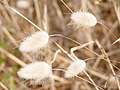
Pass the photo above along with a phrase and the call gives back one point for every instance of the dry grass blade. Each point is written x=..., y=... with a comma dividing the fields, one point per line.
x=116, y=41
x=26, y=19
x=91, y=80
x=3, y=86
x=109, y=62
x=38, y=13
x=22, y=16
x=16, y=25
x=15, y=59
x=116, y=5
x=10, y=36
x=67, y=6
x=45, y=18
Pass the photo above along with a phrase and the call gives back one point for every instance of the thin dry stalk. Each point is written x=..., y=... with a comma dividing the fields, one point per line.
x=26, y=19
x=5, y=13
x=116, y=4
x=12, y=16
x=9, y=36
x=102, y=55
x=79, y=78
x=15, y=59
x=72, y=58
x=109, y=62
x=83, y=5
x=52, y=84
x=79, y=47
x=3, y=86
x=37, y=10
x=67, y=6
x=97, y=74
x=91, y=79
x=15, y=42
x=55, y=56
x=60, y=15
x=22, y=16
x=45, y=18
x=118, y=40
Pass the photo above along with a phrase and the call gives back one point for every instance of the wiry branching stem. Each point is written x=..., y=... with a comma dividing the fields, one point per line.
x=79, y=78
x=91, y=79
x=109, y=62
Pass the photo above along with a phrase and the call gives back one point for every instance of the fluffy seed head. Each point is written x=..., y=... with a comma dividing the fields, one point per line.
x=36, y=71
x=35, y=42
x=84, y=19
x=23, y=4
x=75, y=68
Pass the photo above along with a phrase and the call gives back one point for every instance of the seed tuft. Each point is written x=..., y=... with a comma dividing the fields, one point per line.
x=75, y=68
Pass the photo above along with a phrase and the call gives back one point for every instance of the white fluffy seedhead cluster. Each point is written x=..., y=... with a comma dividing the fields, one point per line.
x=37, y=72
x=84, y=19
x=35, y=42
x=75, y=68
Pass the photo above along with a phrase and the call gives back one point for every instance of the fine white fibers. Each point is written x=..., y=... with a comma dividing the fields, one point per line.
x=35, y=42
x=23, y=4
x=36, y=71
x=75, y=68
x=85, y=19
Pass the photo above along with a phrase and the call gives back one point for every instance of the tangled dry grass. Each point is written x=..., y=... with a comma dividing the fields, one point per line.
x=53, y=16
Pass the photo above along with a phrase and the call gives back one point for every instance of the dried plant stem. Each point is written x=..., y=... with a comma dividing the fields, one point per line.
x=108, y=30
x=67, y=6
x=52, y=84
x=3, y=86
x=45, y=18
x=26, y=19
x=5, y=13
x=72, y=58
x=109, y=62
x=116, y=5
x=38, y=13
x=102, y=55
x=16, y=80
x=15, y=59
x=79, y=78
x=91, y=79
x=59, y=35
x=55, y=56
x=15, y=42
x=12, y=16
x=83, y=5
x=62, y=80
x=22, y=16
x=116, y=41
x=10, y=36
x=97, y=74
x=79, y=47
